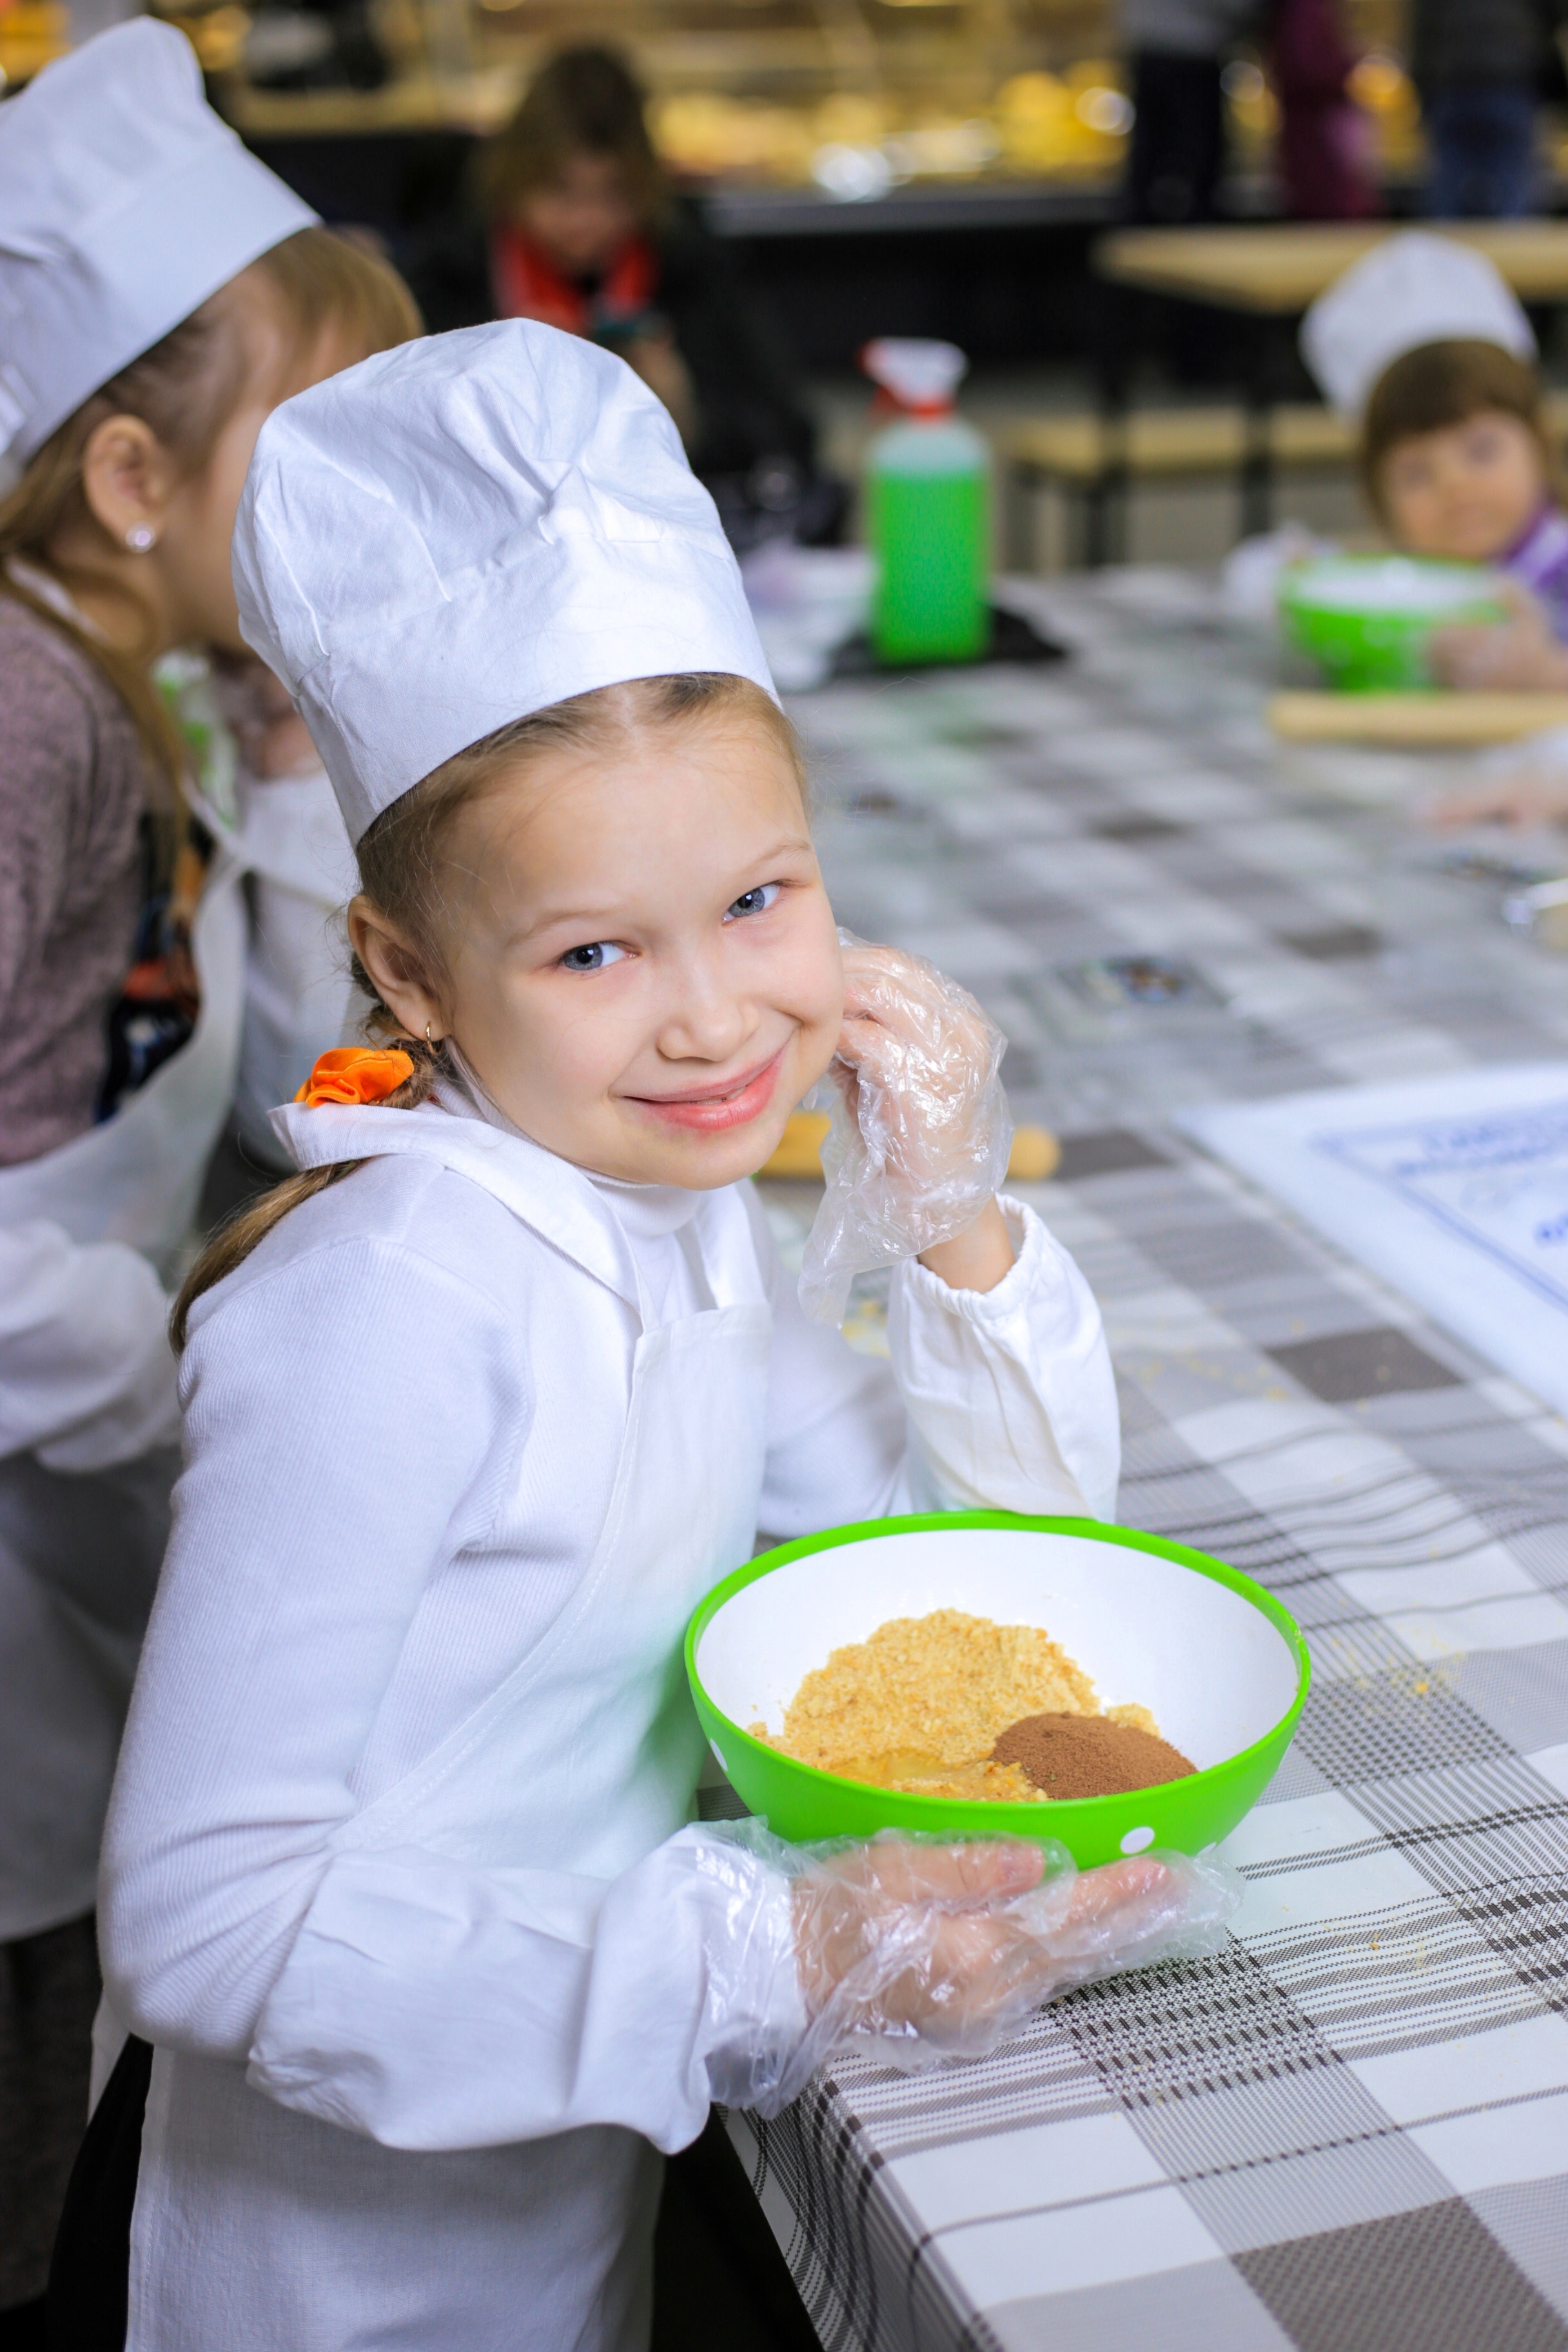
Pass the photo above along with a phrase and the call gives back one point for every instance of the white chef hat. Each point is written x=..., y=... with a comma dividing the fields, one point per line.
x=1410, y=290
x=466, y=529
x=124, y=204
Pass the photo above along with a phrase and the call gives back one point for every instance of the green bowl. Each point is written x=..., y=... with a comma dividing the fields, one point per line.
x=1219, y=1662
x=1366, y=619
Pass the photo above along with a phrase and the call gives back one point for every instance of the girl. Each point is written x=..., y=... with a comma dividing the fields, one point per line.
x=160, y=292
x=583, y=232
x=1424, y=342
x=574, y=192
x=481, y=1403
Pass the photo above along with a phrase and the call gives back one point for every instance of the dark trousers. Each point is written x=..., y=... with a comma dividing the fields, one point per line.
x=48, y=1991
x=1482, y=145
x=718, y=2277
x=1177, y=151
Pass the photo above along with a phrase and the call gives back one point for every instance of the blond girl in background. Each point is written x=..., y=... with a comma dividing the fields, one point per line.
x=159, y=292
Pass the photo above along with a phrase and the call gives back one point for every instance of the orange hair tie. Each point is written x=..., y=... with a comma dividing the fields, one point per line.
x=355, y=1074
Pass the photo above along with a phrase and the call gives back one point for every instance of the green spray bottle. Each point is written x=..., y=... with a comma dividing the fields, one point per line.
x=926, y=495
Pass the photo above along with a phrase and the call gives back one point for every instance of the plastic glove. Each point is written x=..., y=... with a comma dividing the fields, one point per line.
x=920, y=1128
x=1520, y=655
x=915, y=1951
x=1250, y=574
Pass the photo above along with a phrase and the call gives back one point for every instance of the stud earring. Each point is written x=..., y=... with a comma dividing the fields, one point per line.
x=141, y=537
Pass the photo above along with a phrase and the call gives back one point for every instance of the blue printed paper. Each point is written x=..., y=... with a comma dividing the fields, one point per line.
x=1455, y=1190
x=1498, y=1181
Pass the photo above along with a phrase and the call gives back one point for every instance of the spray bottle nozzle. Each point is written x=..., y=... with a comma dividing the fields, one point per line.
x=920, y=377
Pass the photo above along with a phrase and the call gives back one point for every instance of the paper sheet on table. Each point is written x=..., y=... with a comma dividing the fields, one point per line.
x=1452, y=1189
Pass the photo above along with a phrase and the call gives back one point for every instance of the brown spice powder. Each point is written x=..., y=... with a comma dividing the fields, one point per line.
x=1068, y=1756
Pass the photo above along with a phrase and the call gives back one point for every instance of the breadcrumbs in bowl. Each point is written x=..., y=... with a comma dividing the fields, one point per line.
x=920, y=1706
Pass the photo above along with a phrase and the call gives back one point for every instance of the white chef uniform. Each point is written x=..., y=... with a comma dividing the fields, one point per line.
x=124, y=204
x=469, y=1436
x=396, y=1878
x=300, y=873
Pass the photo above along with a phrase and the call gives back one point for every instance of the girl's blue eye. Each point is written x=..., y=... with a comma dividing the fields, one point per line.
x=592, y=959
x=755, y=902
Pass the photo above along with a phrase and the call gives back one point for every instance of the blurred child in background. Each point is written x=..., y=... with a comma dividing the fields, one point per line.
x=160, y=292
x=1424, y=344
x=585, y=232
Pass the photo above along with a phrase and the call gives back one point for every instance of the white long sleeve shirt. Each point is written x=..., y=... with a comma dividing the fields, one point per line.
x=402, y=1415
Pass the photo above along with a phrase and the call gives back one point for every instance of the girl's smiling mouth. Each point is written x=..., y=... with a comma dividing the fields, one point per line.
x=710, y=1110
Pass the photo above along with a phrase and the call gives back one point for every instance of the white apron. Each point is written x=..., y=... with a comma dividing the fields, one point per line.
x=70, y=1622
x=265, y=2230
x=300, y=999
x=299, y=874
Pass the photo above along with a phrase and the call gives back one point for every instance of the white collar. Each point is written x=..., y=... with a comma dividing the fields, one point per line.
x=559, y=1201
x=645, y=1212
x=648, y=1211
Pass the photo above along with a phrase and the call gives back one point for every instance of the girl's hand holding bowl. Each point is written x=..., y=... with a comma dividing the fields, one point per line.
x=919, y=1952
x=921, y=1132
x=1518, y=656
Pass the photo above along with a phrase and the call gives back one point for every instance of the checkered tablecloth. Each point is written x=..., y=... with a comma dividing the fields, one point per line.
x=1349, y=2133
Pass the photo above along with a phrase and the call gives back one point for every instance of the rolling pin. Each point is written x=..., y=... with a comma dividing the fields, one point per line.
x=1434, y=721
x=1033, y=1155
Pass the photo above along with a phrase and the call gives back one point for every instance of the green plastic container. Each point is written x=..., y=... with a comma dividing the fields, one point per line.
x=1366, y=619
x=1220, y=1663
x=928, y=532
x=927, y=510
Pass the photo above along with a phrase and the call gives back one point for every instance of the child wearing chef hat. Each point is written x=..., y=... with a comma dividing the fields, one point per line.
x=401, y=1879
x=1423, y=345
x=159, y=290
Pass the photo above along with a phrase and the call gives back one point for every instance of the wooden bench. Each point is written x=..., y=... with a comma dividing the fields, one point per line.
x=1094, y=458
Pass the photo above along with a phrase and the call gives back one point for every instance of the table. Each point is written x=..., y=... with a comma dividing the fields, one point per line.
x=1349, y=2132
x=1318, y=715
x=1277, y=272
x=1270, y=274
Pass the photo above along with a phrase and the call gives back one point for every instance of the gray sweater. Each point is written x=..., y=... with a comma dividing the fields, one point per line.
x=73, y=789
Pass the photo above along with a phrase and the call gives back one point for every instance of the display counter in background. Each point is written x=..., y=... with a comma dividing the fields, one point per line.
x=885, y=167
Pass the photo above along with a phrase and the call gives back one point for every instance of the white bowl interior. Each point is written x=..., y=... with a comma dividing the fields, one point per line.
x=1215, y=1672
x=1385, y=585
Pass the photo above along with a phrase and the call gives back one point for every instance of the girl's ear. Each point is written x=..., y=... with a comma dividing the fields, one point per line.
x=394, y=970
x=127, y=479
